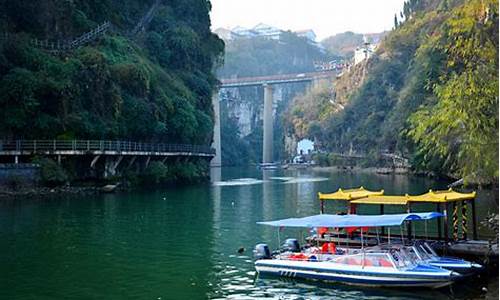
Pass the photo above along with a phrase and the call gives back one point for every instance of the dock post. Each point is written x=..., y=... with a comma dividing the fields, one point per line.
x=438, y=220
x=474, y=225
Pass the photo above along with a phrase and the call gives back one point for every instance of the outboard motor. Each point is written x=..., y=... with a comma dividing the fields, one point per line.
x=261, y=251
x=291, y=245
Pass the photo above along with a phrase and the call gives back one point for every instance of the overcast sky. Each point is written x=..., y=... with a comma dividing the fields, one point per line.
x=325, y=17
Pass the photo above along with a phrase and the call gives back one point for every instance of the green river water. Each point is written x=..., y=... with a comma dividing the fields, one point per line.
x=181, y=243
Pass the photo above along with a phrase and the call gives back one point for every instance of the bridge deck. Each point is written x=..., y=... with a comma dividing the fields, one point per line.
x=275, y=79
x=96, y=147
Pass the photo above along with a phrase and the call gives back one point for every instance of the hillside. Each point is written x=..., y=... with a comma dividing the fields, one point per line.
x=344, y=44
x=150, y=85
x=430, y=93
x=263, y=56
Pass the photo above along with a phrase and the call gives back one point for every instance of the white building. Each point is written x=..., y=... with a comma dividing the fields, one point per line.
x=364, y=52
x=243, y=32
x=308, y=34
x=267, y=31
x=305, y=147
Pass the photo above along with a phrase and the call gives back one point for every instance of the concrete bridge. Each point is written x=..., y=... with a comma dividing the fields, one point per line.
x=108, y=154
x=267, y=82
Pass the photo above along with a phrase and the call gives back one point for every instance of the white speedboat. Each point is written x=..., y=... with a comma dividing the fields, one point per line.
x=425, y=253
x=367, y=268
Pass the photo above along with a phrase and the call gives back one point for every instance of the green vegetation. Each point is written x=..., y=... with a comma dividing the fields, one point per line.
x=155, y=86
x=51, y=173
x=342, y=45
x=430, y=93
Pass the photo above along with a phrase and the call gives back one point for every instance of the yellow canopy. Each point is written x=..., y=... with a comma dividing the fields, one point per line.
x=350, y=194
x=383, y=199
x=443, y=196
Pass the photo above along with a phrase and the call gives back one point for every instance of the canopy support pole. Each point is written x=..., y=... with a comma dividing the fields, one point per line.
x=352, y=208
x=279, y=243
x=474, y=225
x=389, y=235
x=426, y=233
x=408, y=224
x=382, y=212
x=402, y=235
x=322, y=206
x=446, y=239
x=362, y=249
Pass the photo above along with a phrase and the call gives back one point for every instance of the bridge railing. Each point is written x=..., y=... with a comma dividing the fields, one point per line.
x=100, y=145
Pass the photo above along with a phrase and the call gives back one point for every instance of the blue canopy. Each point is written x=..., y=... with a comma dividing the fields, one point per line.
x=341, y=221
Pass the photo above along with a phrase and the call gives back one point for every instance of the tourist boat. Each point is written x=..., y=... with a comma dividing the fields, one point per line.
x=272, y=166
x=423, y=251
x=357, y=267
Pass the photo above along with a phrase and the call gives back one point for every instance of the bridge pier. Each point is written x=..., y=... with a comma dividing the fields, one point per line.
x=131, y=162
x=110, y=165
x=217, y=159
x=94, y=161
x=267, y=144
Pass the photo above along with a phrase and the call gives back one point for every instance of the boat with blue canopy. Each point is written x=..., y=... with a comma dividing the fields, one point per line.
x=376, y=267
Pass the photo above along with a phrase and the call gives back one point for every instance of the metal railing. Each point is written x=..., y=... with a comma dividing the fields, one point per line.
x=99, y=145
x=276, y=78
x=68, y=45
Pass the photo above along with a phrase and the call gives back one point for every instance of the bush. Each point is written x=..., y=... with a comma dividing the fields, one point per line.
x=155, y=173
x=321, y=159
x=51, y=173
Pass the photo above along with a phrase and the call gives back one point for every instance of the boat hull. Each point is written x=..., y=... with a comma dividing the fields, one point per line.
x=365, y=277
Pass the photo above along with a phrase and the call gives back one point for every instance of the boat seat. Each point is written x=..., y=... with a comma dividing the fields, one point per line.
x=385, y=263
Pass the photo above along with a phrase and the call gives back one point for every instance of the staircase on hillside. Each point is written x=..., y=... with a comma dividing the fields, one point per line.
x=64, y=46
x=146, y=19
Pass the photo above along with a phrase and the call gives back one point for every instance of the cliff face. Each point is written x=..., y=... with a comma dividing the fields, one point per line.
x=242, y=117
x=241, y=109
x=149, y=82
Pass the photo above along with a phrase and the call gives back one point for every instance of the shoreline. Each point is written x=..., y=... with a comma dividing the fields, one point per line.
x=40, y=192
x=381, y=170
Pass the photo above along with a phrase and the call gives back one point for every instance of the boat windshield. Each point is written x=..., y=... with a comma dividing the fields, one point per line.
x=366, y=260
x=421, y=252
x=402, y=258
